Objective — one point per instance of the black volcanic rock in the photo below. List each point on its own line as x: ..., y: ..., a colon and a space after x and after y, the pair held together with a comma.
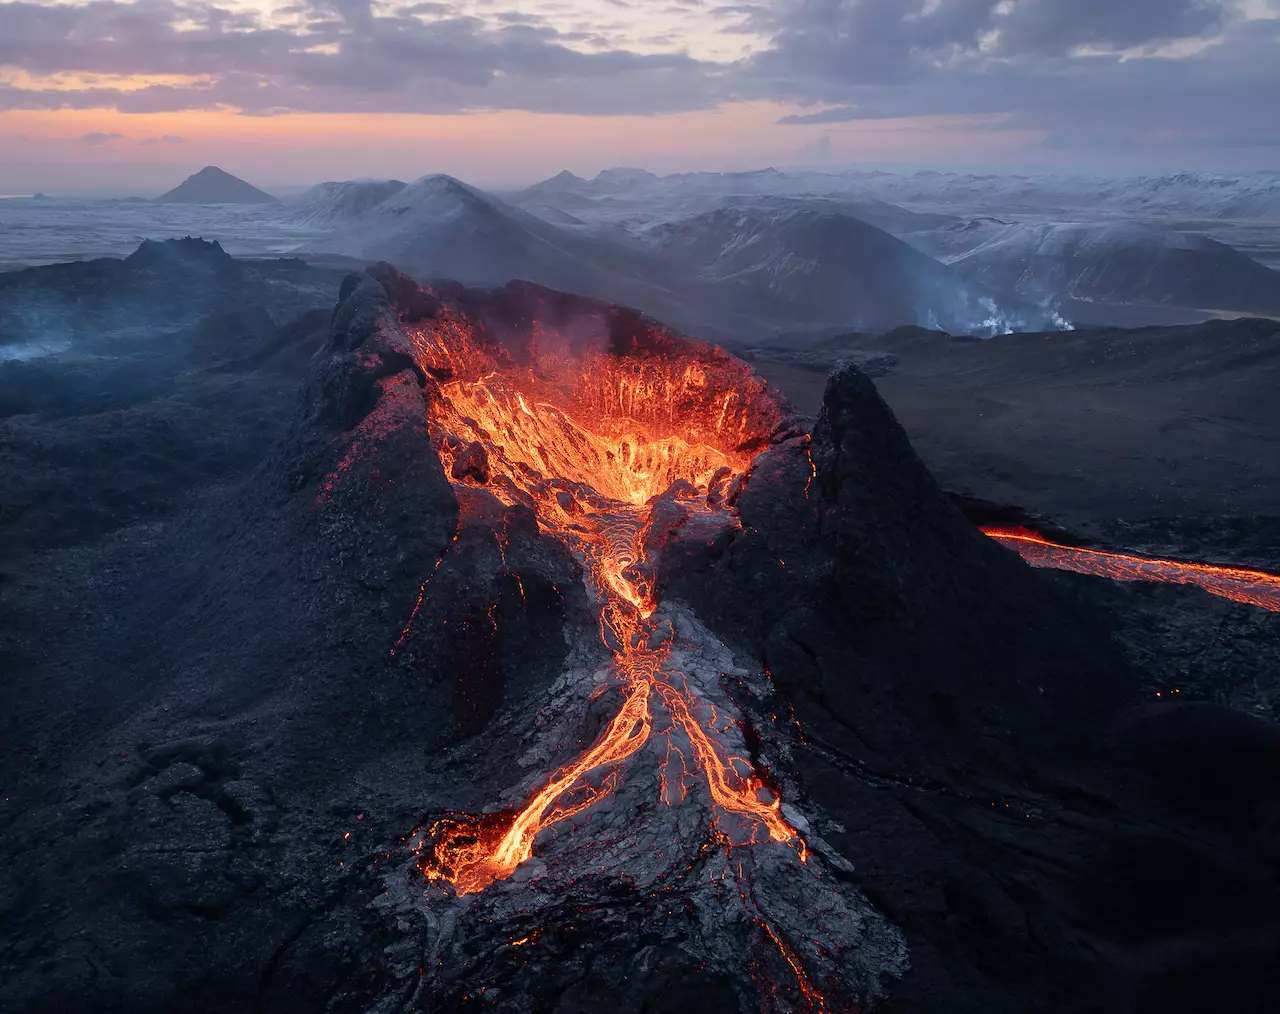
x: 168, y: 253
x: 163, y: 284
x: 212, y: 185
x: 955, y: 703
x: 874, y: 595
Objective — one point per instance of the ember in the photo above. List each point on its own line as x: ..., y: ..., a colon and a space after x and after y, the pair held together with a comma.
x: 1239, y: 584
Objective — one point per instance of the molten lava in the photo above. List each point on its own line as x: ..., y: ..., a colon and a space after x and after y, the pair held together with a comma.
x: 1239, y: 584
x: 596, y: 441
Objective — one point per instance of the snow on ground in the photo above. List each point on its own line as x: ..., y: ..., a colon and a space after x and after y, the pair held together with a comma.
x: 51, y: 231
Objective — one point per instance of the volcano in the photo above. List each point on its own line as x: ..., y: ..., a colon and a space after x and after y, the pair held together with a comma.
x: 546, y: 660
x: 604, y: 434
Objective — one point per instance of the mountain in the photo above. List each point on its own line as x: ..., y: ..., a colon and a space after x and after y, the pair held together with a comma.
x: 177, y: 281
x: 333, y: 203
x: 635, y: 198
x: 728, y: 274
x: 212, y: 185
x: 1121, y: 264
x: 438, y: 227
x: 621, y: 177
x: 1184, y: 196
x: 818, y: 267
x: 562, y: 183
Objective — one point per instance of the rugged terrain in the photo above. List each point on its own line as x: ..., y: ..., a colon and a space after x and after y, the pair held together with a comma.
x: 235, y: 703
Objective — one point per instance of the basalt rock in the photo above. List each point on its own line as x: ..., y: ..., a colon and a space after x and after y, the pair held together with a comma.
x: 866, y: 590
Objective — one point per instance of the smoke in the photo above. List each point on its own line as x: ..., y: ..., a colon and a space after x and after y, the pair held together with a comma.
x: 22, y: 352
x: 983, y: 316
x: 1044, y: 317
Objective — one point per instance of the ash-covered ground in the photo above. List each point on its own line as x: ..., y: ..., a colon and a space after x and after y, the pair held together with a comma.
x: 217, y: 772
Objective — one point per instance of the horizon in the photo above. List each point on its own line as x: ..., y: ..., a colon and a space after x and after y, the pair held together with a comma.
x: 292, y: 189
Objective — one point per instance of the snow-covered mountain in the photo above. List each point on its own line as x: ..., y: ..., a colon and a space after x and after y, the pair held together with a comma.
x: 1122, y: 263
x: 821, y: 267
x: 1176, y: 197
x: 635, y: 199
x: 770, y: 264
x: 439, y: 227
x: 328, y: 204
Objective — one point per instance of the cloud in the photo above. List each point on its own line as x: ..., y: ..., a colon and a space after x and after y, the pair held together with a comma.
x: 1089, y: 73
x: 839, y: 114
x: 171, y: 139
x: 337, y: 56
x: 97, y: 138
x: 888, y: 41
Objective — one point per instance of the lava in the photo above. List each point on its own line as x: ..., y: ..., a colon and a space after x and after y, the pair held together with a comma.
x: 1255, y: 587
x: 597, y: 443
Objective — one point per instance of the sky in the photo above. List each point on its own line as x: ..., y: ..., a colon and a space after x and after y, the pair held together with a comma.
x: 133, y: 96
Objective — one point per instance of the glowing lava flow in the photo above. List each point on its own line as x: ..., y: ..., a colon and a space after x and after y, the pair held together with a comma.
x: 1239, y: 584
x: 595, y: 443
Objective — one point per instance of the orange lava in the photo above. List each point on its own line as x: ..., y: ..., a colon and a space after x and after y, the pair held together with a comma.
x: 1239, y: 584
x: 593, y: 441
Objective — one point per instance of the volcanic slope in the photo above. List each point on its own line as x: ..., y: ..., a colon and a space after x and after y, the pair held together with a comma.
x: 392, y: 628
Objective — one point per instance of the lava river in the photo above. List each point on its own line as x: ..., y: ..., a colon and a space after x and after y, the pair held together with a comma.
x: 1240, y: 584
x: 607, y: 446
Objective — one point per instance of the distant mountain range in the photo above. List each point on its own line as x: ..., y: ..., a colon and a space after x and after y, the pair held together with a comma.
x: 212, y: 185
x: 1185, y: 196
x: 771, y: 264
x: 1122, y: 263
x: 628, y: 196
x: 751, y: 256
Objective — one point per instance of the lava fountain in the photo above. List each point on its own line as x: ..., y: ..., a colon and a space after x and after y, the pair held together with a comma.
x: 1240, y: 584
x: 594, y: 442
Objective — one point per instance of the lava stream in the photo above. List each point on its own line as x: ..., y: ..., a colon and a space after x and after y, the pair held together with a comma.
x: 593, y: 444
x: 1255, y: 587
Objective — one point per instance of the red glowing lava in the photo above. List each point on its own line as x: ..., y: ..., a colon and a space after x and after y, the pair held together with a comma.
x: 1239, y: 584
x: 593, y: 441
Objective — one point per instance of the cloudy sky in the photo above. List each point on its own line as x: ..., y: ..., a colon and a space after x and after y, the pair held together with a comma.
x: 108, y: 93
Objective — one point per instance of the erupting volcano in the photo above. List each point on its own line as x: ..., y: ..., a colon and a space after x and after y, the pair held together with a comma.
x: 1240, y: 584
x: 640, y: 789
